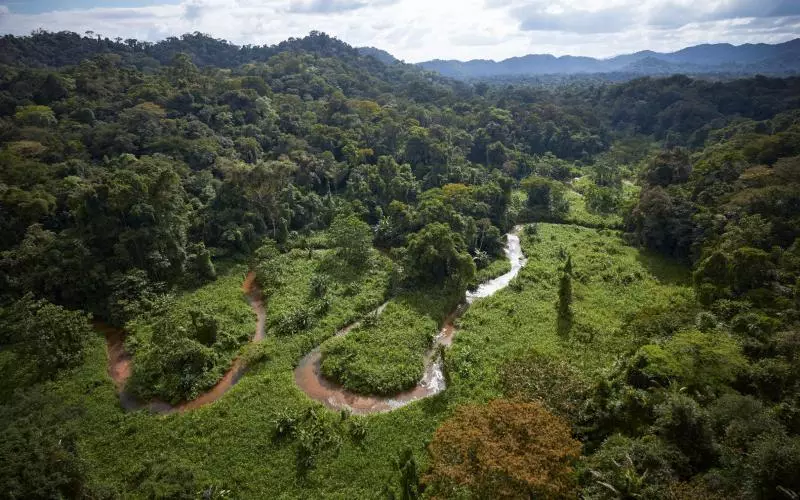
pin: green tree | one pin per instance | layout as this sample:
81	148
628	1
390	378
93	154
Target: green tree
546	196
437	254
408	482
564	305
53	337
352	237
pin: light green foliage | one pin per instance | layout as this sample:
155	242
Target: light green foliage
252	465
600	207
386	355
610	281
36	116
694	359
317	293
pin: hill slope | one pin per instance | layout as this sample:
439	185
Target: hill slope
780	59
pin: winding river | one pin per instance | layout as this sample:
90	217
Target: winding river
307	374
309	378
119	362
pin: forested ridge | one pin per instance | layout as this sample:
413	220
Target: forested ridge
653	336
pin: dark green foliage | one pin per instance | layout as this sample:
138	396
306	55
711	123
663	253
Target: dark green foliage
134	172
437	254
545	198
352	237
750	268
48	336
40	464
711	278
316	434
285	425
205	326
683	423
632	468
669	167
772	466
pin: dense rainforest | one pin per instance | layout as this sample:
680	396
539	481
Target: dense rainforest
648	345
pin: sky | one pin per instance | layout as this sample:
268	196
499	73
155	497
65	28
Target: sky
419	30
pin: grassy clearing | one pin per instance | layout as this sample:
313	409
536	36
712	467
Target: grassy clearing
186	346
578	214
611	282
385	355
231	443
317	295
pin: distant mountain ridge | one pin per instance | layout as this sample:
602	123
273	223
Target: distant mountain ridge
778	59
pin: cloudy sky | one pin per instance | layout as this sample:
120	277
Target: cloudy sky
417	30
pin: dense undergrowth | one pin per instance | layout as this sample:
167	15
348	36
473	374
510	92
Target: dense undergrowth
611	282
183	347
251	463
386	353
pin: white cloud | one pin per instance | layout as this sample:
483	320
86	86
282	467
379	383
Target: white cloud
417	30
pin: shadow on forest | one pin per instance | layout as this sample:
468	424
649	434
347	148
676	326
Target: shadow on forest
340	271
667	270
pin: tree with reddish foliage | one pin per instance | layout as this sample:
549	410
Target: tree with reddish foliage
503	450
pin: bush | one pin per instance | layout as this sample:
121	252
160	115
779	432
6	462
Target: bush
285	424
626	467
772	467
750	268
352	237
660	322
554	383
739	422
682	422
163	478
503	450
52	337
691	358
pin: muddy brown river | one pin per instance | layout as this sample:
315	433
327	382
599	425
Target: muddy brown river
309	378
119	362
307	374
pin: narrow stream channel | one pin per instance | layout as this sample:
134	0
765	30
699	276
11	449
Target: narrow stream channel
307	374
309	378
119	362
